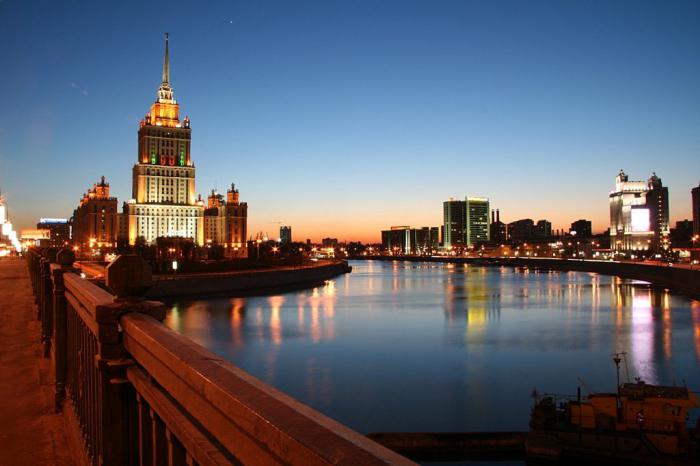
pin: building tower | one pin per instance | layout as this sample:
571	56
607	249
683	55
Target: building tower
478	229
639	216
163	192
454	223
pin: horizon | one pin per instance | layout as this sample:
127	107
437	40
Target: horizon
538	119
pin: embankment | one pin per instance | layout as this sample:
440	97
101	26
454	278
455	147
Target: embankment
678	279
245	282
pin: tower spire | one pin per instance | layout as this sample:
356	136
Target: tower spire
165	92
166	62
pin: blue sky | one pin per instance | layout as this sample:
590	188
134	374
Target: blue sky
342	118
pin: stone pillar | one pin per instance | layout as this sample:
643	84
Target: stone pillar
65	259
128	277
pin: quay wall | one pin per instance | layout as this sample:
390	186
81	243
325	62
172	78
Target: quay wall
245	282
678	279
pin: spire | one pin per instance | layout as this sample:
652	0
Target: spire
165	92
166	62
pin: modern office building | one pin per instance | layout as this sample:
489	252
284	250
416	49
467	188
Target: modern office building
163	201
94	221
407	240
454	223
581	229
59	231
285	235
639	215
695	194
477	226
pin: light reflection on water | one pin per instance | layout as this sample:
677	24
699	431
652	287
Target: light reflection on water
398	346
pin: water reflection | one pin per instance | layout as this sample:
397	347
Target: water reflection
409	346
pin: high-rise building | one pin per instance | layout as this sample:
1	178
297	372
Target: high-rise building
285	234
94	221
59	230
163	200
695	194
163	193
477	220
639	219
581	229
454	223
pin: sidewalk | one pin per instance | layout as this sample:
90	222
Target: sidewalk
30	432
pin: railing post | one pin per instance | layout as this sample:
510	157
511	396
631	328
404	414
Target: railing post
65	259
128	277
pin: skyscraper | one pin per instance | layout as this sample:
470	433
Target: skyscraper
477	221
695	194
163	192
639	215
454	223
163	200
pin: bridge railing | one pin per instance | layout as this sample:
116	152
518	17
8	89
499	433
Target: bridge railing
139	393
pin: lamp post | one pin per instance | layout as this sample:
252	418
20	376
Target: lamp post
692	253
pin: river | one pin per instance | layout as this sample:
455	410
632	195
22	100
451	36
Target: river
405	346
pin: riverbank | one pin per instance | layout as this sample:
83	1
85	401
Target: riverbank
244	283
679	279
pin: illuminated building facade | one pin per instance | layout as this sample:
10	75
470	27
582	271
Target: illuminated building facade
695	193
163	200
639	215
454	214
477	228
94	222
225	222
9	242
407	240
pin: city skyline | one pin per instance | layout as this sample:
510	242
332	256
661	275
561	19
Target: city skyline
384	146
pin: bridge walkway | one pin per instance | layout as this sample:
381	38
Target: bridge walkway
30	432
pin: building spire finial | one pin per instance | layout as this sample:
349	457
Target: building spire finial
166	62
165	92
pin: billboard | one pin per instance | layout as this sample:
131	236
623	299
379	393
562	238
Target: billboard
640	220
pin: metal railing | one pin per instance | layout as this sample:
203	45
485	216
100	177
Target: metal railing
138	393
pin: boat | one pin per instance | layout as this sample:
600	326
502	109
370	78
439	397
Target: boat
640	424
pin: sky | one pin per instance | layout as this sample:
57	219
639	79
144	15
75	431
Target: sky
342	118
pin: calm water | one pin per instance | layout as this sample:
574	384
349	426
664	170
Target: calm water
436	347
